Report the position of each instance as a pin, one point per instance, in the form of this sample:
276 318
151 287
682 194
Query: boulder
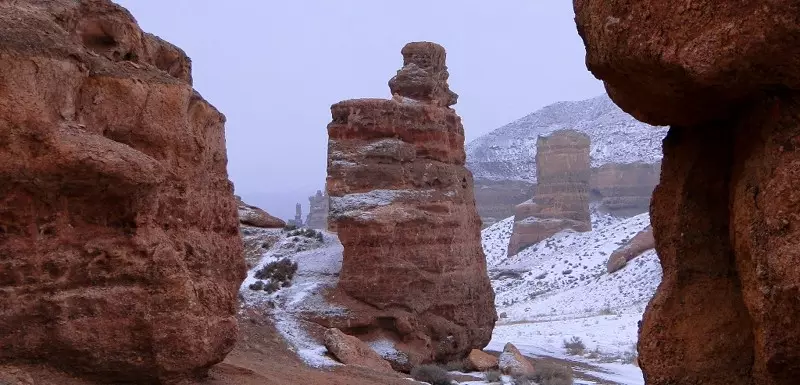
513 363
725 210
120 253
350 350
640 243
480 361
396 171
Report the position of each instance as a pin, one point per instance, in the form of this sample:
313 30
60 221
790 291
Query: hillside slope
558 289
507 153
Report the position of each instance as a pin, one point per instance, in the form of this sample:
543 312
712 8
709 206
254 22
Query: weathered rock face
318 211
120 254
253 216
624 189
479 361
403 205
561 200
424 75
640 243
496 199
725 212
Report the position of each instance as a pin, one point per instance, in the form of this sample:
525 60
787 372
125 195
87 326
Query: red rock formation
120 254
561 200
725 77
640 243
250 215
496 199
624 189
403 205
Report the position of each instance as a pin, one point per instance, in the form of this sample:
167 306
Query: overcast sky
275 67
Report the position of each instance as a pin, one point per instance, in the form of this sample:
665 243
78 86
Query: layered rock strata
318 211
624 189
120 254
402 202
561 199
726 210
496 199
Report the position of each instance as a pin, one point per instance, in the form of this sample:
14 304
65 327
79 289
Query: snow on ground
558 289
318 269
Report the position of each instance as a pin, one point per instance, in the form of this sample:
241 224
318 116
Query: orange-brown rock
561 197
352 351
640 243
120 255
403 205
724 75
624 189
480 361
250 215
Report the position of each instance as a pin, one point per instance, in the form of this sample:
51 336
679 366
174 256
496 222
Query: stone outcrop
250 215
403 205
298 215
637 245
725 213
352 351
120 254
318 211
513 363
561 199
624 189
496 199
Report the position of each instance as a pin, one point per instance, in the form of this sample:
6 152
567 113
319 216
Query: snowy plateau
508 153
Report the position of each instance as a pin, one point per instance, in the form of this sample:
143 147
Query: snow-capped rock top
508 152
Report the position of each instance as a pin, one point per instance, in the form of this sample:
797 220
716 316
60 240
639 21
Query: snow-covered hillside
507 153
558 289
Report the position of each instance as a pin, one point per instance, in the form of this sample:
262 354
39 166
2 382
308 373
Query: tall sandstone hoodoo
726 215
317 211
624 189
561 199
403 205
120 255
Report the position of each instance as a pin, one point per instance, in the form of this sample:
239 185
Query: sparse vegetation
308 233
631 356
289 227
431 374
277 274
494 376
455 366
606 310
574 346
550 373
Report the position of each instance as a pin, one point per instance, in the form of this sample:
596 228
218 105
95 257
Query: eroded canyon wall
725 77
403 205
120 254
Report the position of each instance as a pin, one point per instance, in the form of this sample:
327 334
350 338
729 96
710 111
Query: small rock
480 361
513 363
350 350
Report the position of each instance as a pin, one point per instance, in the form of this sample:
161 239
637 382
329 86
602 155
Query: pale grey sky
275 67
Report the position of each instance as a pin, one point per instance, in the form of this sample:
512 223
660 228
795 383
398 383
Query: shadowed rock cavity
120 255
725 214
402 203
